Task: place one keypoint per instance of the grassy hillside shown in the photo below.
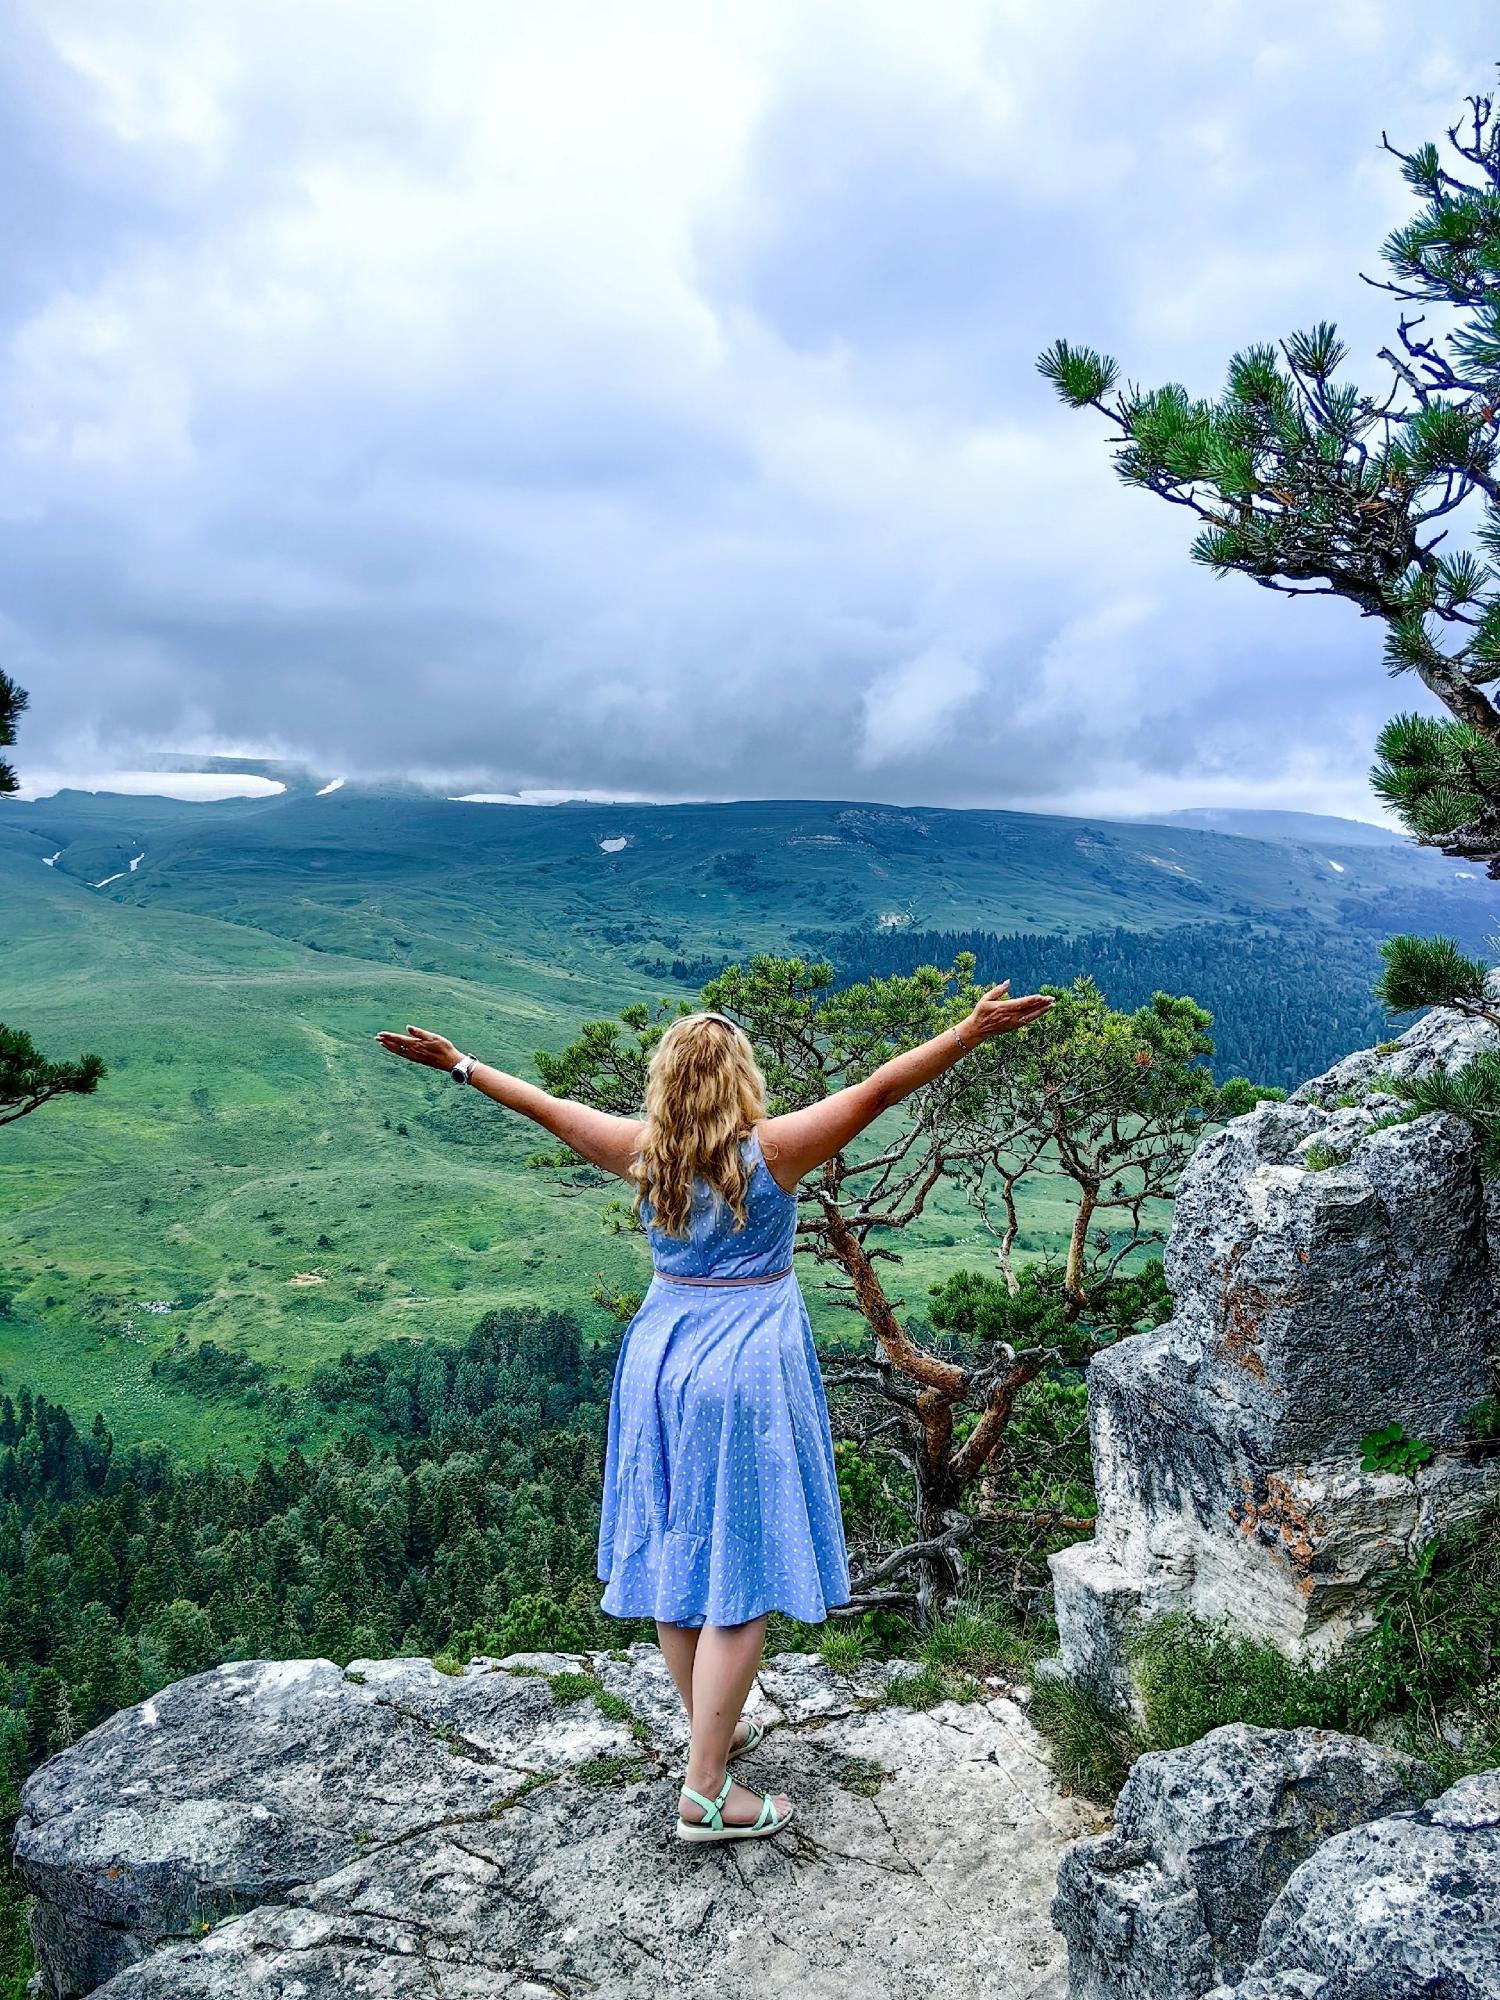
(443, 886)
(254, 1161)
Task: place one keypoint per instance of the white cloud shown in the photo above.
(654, 388)
(194, 785)
(910, 708)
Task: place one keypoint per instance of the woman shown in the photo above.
(720, 1501)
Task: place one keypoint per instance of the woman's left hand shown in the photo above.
(420, 1045)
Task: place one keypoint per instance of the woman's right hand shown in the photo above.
(997, 1014)
(420, 1045)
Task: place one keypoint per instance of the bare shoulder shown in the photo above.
(778, 1164)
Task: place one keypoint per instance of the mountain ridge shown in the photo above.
(253, 1161)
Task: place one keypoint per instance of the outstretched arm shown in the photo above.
(798, 1141)
(598, 1136)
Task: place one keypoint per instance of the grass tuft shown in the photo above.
(843, 1649)
(1092, 1747)
(601, 1771)
(923, 1689)
(977, 1640)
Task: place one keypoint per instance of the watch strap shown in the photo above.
(460, 1070)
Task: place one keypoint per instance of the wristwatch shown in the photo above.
(460, 1070)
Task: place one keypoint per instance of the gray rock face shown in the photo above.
(1400, 1907)
(1172, 1900)
(1313, 1303)
(294, 1830)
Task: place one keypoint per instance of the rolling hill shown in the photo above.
(254, 1172)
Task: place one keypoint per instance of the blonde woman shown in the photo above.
(720, 1501)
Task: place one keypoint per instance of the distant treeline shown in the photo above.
(472, 1523)
(120, 1569)
(1286, 1005)
(534, 1366)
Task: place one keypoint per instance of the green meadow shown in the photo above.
(254, 1163)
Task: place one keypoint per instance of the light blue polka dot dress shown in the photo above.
(720, 1500)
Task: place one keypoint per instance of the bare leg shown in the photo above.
(679, 1644)
(679, 1647)
(723, 1669)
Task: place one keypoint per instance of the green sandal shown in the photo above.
(753, 1741)
(712, 1828)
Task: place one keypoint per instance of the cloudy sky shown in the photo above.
(641, 399)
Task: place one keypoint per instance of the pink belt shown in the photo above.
(764, 1278)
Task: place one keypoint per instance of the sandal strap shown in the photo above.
(768, 1813)
(713, 1815)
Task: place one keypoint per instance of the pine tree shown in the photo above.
(1433, 972)
(27, 1079)
(13, 702)
(44, 1705)
(1312, 487)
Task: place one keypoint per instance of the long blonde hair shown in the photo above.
(704, 1095)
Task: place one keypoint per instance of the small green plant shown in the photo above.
(886, 1634)
(1319, 1158)
(532, 1782)
(1390, 1450)
(1470, 1092)
(923, 1689)
(449, 1663)
(1092, 1746)
(1482, 1424)
(1388, 1118)
(624, 1770)
(861, 1775)
(843, 1648)
(568, 1687)
(538, 1623)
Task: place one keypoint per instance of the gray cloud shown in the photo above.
(643, 400)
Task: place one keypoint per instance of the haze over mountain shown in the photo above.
(1316, 829)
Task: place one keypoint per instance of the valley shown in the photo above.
(255, 1174)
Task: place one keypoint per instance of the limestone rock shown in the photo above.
(1172, 1899)
(1400, 1906)
(294, 1829)
(1313, 1302)
(1442, 1040)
